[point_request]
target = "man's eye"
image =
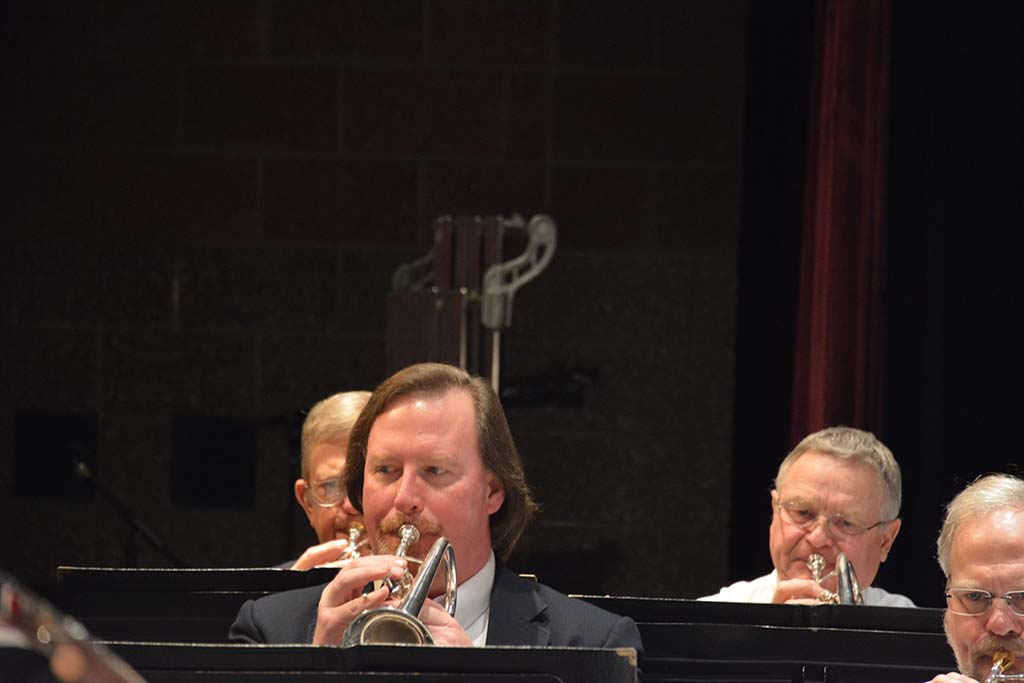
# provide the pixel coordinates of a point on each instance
(436, 471)
(975, 596)
(802, 514)
(843, 523)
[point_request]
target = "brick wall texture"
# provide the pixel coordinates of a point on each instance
(204, 202)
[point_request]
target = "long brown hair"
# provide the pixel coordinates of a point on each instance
(494, 439)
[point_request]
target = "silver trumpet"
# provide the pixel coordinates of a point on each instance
(354, 547)
(1001, 661)
(408, 535)
(355, 543)
(848, 590)
(387, 625)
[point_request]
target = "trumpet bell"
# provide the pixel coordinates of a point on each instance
(389, 625)
(846, 578)
(386, 625)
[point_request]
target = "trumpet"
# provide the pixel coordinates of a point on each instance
(352, 550)
(354, 547)
(408, 535)
(847, 588)
(1001, 661)
(387, 625)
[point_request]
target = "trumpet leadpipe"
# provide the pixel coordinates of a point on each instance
(408, 535)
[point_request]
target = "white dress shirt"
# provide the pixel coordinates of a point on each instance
(762, 589)
(473, 605)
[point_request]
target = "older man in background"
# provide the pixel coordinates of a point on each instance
(838, 491)
(321, 490)
(981, 552)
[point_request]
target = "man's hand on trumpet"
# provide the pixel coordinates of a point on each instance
(322, 554)
(800, 592)
(443, 628)
(343, 598)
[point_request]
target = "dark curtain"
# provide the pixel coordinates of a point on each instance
(951, 309)
(779, 57)
(838, 346)
(812, 242)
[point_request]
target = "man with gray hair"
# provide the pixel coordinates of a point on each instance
(838, 491)
(981, 552)
(320, 490)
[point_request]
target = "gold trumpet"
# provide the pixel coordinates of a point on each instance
(1001, 661)
(848, 590)
(390, 625)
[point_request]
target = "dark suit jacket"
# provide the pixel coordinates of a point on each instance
(522, 613)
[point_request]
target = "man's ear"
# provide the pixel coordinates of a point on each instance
(892, 529)
(300, 495)
(495, 494)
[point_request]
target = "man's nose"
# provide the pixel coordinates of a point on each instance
(1001, 621)
(407, 498)
(819, 534)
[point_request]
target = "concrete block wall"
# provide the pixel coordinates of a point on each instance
(205, 200)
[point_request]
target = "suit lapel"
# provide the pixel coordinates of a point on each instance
(517, 612)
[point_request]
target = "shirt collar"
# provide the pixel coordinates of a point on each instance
(472, 607)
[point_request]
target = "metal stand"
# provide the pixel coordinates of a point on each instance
(451, 305)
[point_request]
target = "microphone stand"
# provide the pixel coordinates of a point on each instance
(139, 528)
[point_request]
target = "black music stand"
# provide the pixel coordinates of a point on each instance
(691, 640)
(174, 663)
(171, 605)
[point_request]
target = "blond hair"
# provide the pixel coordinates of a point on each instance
(985, 495)
(330, 421)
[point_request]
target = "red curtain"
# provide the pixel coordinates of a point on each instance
(838, 364)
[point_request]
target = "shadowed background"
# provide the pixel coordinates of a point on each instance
(205, 202)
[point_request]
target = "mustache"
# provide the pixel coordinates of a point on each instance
(388, 536)
(988, 646)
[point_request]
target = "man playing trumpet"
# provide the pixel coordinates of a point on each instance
(432, 448)
(981, 552)
(838, 491)
(320, 490)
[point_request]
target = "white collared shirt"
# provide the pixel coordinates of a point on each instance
(762, 589)
(473, 605)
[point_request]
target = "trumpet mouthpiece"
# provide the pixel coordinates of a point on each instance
(409, 534)
(1003, 659)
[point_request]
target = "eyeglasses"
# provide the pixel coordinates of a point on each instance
(328, 492)
(797, 513)
(971, 602)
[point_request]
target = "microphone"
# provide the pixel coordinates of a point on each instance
(83, 472)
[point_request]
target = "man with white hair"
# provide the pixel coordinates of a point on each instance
(981, 552)
(838, 491)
